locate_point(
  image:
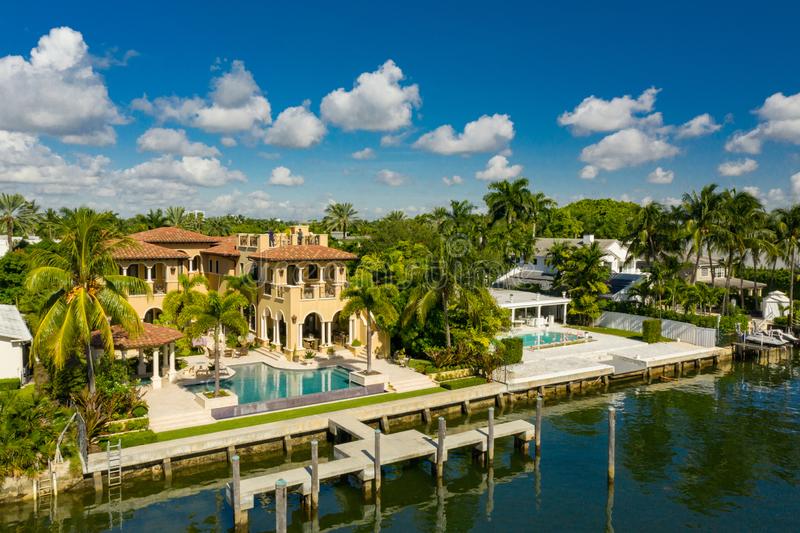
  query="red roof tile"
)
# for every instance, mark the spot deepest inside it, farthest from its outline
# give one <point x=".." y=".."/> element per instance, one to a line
<point x="151" y="337"/>
<point x="145" y="250"/>
<point x="226" y="247"/>
<point x="306" y="252"/>
<point x="171" y="234"/>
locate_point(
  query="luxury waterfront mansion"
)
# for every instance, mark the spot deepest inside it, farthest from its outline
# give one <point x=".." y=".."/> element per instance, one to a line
<point x="300" y="280"/>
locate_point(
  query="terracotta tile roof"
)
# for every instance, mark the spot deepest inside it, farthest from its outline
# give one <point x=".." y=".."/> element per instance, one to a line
<point x="306" y="252"/>
<point x="145" y="250"/>
<point x="226" y="247"/>
<point x="151" y="337"/>
<point x="172" y="234"/>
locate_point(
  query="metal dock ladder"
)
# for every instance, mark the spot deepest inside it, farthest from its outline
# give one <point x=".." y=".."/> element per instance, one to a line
<point x="114" y="452"/>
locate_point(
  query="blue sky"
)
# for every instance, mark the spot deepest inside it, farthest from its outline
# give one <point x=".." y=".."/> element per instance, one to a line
<point x="181" y="104"/>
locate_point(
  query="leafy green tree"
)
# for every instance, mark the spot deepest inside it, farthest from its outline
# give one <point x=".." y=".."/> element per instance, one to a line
<point x="584" y="277"/>
<point x="788" y="231"/>
<point x="17" y="214"/>
<point x="363" y="296"/>
<point x="175" y="216"/>
<point x="509" y="201"/>
<point x="84" y="290"/>
<point x="29" y="429"/>
<point x="215" y="312"/>
<point x="176" y="306"/>
<point x="604" y="218"/>
<point x="701" y="212"/>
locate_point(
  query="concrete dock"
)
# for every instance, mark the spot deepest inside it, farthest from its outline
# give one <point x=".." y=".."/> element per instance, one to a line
<point x="357" y="457"/>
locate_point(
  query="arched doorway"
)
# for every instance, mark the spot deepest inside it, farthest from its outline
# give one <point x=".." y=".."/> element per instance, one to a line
<point x="152" y="315"/>
<point x="312" y="328"/>
<point x="340" y="328"/>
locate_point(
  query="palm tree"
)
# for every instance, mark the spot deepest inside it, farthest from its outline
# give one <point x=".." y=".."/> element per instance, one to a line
<point x="395" y="216"/>
<point x="175" y="216"/>
<point x="701" y="212"/>
<point x="178" y="301"/>
<point x="444" y="284"/>
<point x="373" y="301"/>
<point x="539" y="205"/>
<point x="154" y="219"/>
<point x="84" y="289"/>
<point x="739" y="215"/>
<point x="215" y="311"/>
<point x="584" y="277"/>
<point x="788" y="226"/>
<point x="338" y="216"/>
<point x="17" y="213"/>
<point x="509" y="201"/>
<point x="645" y="231"/>
<point x="48" y="224"/>
<point x="215" y="225"/>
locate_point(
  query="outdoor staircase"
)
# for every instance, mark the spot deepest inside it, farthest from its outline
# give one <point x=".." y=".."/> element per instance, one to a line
<point x="268" y="354"/>
<point x="414" y="382"/>
<point x="180" y="420"/>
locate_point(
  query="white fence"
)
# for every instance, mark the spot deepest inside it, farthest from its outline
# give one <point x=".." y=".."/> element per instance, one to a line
<point x="670" y="329"/>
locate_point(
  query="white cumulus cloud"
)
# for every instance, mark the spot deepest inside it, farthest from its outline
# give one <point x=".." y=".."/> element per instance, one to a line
<point x="589" y="172"/>
<point x="192" y="170"/>
<point x="366" y="153"/>
<point x="235" y="104"/>
<point x="57" y="92"/>
<point x="377" y="102"/>
<point x="594" y="114"/>
<point x="795" y="181"/>
<point x="780" y="121"/>
<point x="737" y="168"/>
<point x="498" y="169"/>
<point x="454" y="180"/>
<point x="171" y="141"/>
<point x="660" y="176"/>
<point x="697" y="127"/>
<point x="626" y="148"/>
<point x="487" y="134"/>
<point x="284" y="177"/>
<point x="390" y="178"/>
<point x="296" y="127"/>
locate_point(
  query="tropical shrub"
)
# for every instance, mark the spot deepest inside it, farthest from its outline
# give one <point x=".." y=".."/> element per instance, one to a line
<point x="462" y="383"/>
<point x="29" y="429"/>
<point x="512" y="350"/>
<point x="651" y="331"/>
<point x="97" y="409"/>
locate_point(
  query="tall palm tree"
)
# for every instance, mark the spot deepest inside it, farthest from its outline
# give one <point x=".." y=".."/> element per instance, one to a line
<point x="509" y="201"/>
<point x="788" y="226"/>
<point x="213" y="312"/>
<point x="339" y="216"/>
<point x="17" y="213"/>
<point x="178" y="301"/>
<point x="84" y="289"/>
<point x="739" y="216"/>
<point x="215" y="225"/>
<point x="539" y="205"/>
<point x="48" y="224"/>
<point x="584" y="277"/>
<point x="363" y="296"/>
<point x="443" y="284"/>
<point x="175" y="216"/>
<point x="701" y="212"/>
<point x="645" y="231"/>
<point x="154" y="219"/>
<point x="395" y="216"/>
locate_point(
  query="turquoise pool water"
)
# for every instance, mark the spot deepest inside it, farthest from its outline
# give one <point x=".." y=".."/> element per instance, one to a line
<point x="546" y="337"/>
<point x="256" y="382"/>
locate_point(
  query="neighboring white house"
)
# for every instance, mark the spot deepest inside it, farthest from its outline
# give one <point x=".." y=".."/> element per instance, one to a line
<point x="531" y="307"/>
<point x="720" y="278"/>
<point x="538" y="271"/>
<point x="14" y="340"/>
<point x="32" y="239"/>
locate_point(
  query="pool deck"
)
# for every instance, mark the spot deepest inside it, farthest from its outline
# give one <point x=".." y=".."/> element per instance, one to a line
<point x="601" y="356"/>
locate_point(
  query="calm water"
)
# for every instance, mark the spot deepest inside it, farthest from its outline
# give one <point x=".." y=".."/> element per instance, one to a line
<point x="256" y="382"/>
<point x="717" y="451"/>
<point x="546" y="337"/>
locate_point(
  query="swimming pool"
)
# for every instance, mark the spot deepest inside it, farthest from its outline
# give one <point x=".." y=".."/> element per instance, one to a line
<point x="543" y="338"/>
<point x="256" y="382"/>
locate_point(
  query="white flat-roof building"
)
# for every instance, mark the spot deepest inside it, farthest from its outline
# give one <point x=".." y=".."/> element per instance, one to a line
<point x="14" y="340"/>
<point x="531" y="307"/>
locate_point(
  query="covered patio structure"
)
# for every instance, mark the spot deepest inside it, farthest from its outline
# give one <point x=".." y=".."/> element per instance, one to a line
<point x="158" y="339"/>
<point x="531" y="307"/>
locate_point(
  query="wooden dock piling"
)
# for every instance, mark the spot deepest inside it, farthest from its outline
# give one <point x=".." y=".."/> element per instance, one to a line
<point x="490" y="439"/>
<point x="612" y="443"/>
<point x="239" y="514"/>
<point x="538" y="431"/>
<point x="280" y="506"/>
<point x="314" y="475"/>
<point x="377" y="460"/>
<point x="440" y="449"/>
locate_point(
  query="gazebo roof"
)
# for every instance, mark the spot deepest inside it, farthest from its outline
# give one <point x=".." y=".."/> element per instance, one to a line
<point x="152" y="336"/>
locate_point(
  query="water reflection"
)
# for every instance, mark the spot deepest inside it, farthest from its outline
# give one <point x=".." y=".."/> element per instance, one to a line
<point x="714" y="451"/>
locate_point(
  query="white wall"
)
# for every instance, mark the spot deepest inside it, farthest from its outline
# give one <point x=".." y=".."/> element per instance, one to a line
<point x="10" y="360"/>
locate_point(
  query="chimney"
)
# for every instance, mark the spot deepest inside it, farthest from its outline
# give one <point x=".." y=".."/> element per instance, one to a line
<point x="588" y="239"/>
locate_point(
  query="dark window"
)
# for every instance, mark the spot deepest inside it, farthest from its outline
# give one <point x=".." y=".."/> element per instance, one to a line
<point x="216" y="269"/>
<point x="210" y="265"/>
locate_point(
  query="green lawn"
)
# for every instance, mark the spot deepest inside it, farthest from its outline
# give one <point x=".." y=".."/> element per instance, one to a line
<point x="147" y="437"/>
<point x="618" y="332"/>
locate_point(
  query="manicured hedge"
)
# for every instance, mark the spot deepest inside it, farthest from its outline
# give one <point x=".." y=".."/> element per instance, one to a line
<point x="651" y="330"/>
<point x="462" y="383"/>
<point x="513" y="350"/>
<point x="9" y="384"/>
